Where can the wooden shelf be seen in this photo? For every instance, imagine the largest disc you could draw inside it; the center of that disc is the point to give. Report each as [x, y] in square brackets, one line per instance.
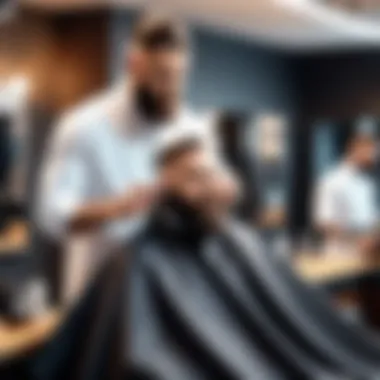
[15, 238]
[19, 339]
[326, 268]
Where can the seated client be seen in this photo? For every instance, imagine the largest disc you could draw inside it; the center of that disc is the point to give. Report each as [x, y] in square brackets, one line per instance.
[188, 289]
[204, 301]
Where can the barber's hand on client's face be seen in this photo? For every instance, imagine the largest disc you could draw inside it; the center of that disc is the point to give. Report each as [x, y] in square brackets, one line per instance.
[368, 246]
[222, 194]
[229, 190]
[194, 178]
[140, 197]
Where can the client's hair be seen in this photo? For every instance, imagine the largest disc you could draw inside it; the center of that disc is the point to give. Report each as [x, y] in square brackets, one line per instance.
[177, 149]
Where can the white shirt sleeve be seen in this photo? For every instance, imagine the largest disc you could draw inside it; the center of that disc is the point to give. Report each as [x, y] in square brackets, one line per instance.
[64, 180]
[326, 207]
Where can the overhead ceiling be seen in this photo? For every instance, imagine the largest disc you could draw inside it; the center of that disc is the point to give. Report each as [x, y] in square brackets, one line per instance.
[296, 25]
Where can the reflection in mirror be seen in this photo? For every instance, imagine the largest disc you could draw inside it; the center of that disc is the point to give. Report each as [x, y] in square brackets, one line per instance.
[340, 245]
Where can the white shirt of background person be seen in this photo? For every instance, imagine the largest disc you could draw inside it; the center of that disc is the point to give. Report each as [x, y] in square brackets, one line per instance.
[346, 197]
[100, 149]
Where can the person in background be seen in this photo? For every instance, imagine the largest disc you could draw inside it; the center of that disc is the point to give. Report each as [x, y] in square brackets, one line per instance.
[345, 204]
[99, 177]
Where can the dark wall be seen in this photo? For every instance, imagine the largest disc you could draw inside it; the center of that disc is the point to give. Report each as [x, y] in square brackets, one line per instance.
[240, 75]
[339, 85]
[63, 56]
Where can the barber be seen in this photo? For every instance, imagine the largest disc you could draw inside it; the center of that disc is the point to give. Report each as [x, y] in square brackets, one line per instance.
[345, 201]
[99, 178]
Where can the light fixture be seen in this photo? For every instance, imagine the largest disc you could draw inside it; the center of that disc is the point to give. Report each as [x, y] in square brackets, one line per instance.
[356, 24]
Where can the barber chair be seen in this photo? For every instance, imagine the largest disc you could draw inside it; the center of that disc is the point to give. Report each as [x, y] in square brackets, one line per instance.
[89, 344]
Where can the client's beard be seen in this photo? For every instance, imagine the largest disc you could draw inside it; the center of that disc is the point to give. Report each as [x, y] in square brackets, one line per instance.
[182, 217]
[152, 107]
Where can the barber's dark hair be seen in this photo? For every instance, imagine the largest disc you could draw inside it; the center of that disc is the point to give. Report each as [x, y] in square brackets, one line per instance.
[155, 32]
[176, 150]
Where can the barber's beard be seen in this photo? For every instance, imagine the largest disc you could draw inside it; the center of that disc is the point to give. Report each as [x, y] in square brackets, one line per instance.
[152, 107]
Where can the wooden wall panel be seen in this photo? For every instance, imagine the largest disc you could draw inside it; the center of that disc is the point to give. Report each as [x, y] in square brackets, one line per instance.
[63, 56]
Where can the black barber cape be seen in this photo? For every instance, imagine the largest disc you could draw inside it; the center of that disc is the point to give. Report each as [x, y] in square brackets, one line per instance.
[185, 304]
[217, 306]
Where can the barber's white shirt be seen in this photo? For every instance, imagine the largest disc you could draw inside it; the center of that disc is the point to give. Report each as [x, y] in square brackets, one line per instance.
[346, 197]
[99, 151]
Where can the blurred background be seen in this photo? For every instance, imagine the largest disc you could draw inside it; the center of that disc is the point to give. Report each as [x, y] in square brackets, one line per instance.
[293, 84]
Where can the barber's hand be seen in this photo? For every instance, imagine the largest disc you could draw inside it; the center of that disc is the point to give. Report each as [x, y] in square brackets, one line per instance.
[139, 198]
[368, 246]
[226, 191]
[222, 194]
